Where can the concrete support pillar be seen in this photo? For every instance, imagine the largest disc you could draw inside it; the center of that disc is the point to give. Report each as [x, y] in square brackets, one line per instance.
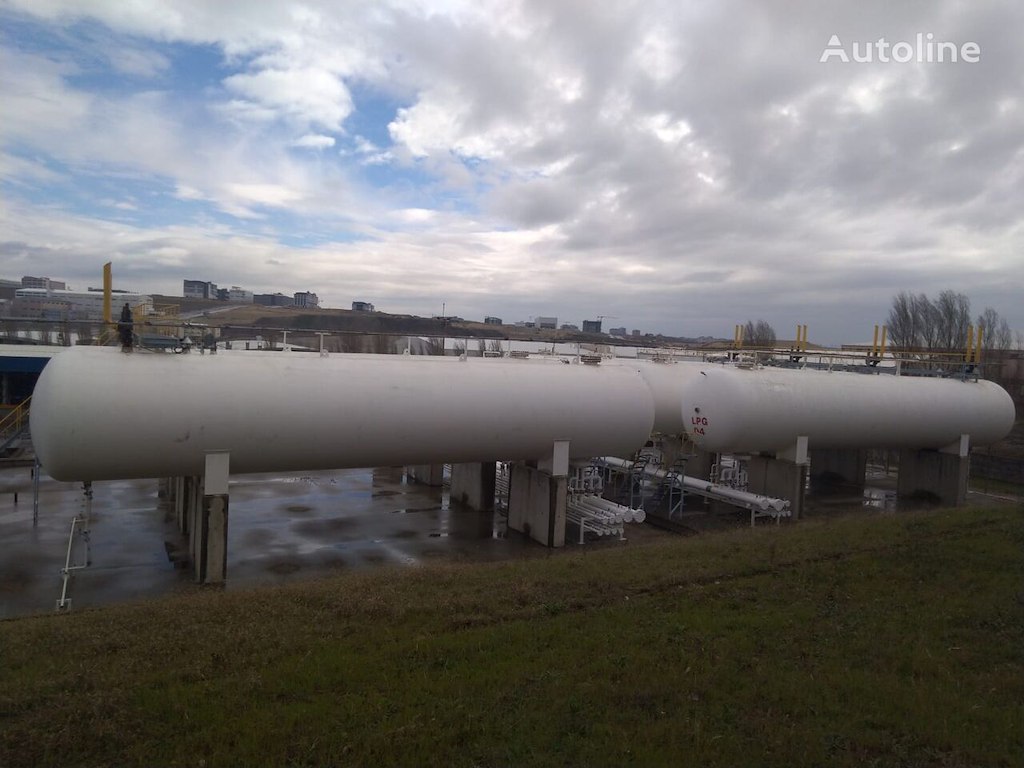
[210, 534]
[174, 495]
[427, 474]
[537, 497]
[783, 476]
[193, 517]
[473, 485]
[183, 499]
[672, 448]
[839, 467]
[536, 505]
[942, 474]
[699, 465]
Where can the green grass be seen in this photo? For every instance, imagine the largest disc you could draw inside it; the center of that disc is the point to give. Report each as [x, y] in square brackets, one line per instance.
[868, 640]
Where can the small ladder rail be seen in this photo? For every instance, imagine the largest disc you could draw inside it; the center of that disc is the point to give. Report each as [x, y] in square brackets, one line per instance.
[80, 528]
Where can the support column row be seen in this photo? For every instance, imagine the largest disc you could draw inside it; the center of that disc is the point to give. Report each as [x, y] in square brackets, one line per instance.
[200, 507]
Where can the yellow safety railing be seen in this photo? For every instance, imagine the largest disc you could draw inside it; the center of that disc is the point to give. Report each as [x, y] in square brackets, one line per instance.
[14, 421]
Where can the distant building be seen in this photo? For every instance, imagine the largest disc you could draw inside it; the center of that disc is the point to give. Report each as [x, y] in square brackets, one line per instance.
[273, 300]
[547, 322]
[43, 282]
[306, 300]
[617, 331]
[198, 289]
[492, 320]
[362, 306]
[570, 327]
[8, 288]
[74, 305]
[636, 332]
[239, 295]
[591, 326]
[221, 294]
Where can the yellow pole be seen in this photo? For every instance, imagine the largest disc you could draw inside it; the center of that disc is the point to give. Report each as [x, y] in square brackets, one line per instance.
[977, 347]
[108, 284]
[969, 356]
[874, 341]
[881, 347]
[805, 339]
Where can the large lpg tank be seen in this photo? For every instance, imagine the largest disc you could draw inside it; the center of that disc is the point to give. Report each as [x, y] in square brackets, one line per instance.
[100, 414]
[736, 410]
[668, 382]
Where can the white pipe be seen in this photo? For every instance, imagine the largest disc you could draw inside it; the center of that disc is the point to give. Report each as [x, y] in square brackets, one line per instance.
[705, 488]
[601, 529]
[629, 514]
[616, 512]
[615, 515]
[763, 503]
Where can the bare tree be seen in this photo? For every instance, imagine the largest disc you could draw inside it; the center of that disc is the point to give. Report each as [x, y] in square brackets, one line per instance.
[917, 322]
[996, 332]
[434, 346]
[904, 326]
[928, 316]
[952, 319]
[759, 334]
[84, 333]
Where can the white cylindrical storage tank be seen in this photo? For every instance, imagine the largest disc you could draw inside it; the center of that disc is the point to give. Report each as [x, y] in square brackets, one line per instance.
[736, 410]
[100, 414]
[668, 382]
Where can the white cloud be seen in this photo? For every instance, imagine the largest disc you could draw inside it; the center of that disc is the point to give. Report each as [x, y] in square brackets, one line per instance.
[314, 141]
[308, 96]
[134, 61]
[677, 165]
[264, 194]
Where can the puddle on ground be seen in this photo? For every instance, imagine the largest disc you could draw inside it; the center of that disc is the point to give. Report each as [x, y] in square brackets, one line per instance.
[879, 498]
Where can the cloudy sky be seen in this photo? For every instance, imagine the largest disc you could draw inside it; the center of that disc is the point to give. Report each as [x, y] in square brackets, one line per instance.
[678, 167]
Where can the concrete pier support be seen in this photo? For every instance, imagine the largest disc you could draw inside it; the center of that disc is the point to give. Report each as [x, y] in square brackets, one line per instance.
[536, 505]
[209, 529]
[473, 485]
[188, 501]
[193, 517]
[700, 464]
[783, 476]
[672, 448]
[428, 474]
[839, 467]
[942, 473]
[177, 500]
[537, 497]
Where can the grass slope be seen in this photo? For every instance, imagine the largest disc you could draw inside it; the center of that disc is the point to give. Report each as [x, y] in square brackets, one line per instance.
[862, 641]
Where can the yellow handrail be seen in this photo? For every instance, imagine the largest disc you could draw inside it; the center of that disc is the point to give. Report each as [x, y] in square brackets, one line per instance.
[14, 421]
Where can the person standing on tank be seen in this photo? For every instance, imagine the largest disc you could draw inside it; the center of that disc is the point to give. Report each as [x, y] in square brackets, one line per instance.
[125, 327]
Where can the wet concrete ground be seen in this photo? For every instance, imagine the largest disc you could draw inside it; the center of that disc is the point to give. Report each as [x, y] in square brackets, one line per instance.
[283, 528]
